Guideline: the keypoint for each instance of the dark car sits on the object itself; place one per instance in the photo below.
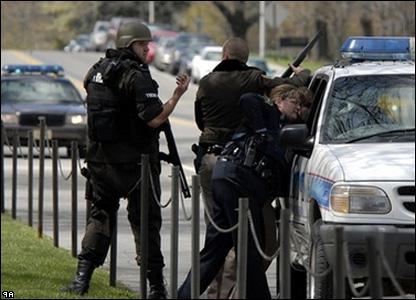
(163, 54)
(31, 91)
(157, 36)
(262, 65)
(185, 64)
(182, 43)
(80, 43)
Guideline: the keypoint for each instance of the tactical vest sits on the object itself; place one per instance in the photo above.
(111, 116)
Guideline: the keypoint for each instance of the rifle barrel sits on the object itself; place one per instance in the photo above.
(301, 55)
(174, 158)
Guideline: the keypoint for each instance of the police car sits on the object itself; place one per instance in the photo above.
(355, 163)
(31, 91)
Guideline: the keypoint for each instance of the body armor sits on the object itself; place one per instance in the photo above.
(111, 118)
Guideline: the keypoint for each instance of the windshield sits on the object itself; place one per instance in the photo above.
(370, 106)
(191, 40)
(258, 64)
(38, 90)
(213, 56)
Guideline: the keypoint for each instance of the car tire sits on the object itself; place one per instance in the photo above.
(318, 287)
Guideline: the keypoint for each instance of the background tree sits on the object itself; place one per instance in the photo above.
(51, 24)
(204, 18)
(240, 15)
(345, 18)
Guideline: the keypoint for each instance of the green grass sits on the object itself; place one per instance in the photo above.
(312, 65)
(308, 63)
(34, 269)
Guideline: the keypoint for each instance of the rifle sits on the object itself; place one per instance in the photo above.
(301, 56)
(173, 157)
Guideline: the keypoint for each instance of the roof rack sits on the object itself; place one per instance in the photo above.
(17, 69)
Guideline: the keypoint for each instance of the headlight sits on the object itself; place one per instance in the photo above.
(167, 58)
(76, 119)
(359, 200)
(10, 118)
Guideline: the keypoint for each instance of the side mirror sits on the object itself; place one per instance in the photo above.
(296, 136)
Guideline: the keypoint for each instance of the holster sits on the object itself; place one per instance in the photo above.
(88, 186)
(199, 152)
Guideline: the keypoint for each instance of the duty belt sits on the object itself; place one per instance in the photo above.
(213, 149)
(262, 166)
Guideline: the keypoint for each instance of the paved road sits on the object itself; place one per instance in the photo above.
(186, 133)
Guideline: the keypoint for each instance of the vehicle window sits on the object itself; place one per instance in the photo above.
(370, 106)
(318, 87)
(258, 64)
(35, 90)
(102, 28)
(214, 56)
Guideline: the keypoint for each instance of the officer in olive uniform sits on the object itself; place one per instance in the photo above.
(218, 114)
(124, 116)
(252, 165)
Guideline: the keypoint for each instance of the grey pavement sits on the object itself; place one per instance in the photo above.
(185, 132)
(127, 270)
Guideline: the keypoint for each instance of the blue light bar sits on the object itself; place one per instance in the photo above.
(378, 48)
(33, 69)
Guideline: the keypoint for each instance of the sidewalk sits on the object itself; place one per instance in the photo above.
(127, 270)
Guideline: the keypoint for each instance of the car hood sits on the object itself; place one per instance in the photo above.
(376, 162)
(48, 108)
(208, 64)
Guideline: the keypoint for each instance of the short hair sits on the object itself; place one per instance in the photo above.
(236, 48)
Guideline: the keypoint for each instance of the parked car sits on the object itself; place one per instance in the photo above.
(182, 42)
(185, 64)
(31, 91)
(153, 45)
(99, 36)
(355, 166)
(164, 54)
(203, 63)
(80, 43)
(262, 65)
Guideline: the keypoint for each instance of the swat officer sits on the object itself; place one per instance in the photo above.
(124, 116)
(251, 165)
(217, 114)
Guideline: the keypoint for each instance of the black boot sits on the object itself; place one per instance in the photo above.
(157, 285)
(81, 282)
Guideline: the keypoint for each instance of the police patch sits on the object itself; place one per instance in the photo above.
(151, 95)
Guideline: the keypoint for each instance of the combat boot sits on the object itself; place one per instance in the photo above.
(157, 285)
(81, 282)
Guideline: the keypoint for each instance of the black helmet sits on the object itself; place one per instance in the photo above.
(131, 32)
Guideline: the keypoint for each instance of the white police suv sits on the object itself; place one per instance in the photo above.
(355, 163)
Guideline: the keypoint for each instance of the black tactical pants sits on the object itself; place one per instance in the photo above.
(110, 182)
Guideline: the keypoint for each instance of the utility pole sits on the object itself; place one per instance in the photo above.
(151, 12)
(262, 29)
